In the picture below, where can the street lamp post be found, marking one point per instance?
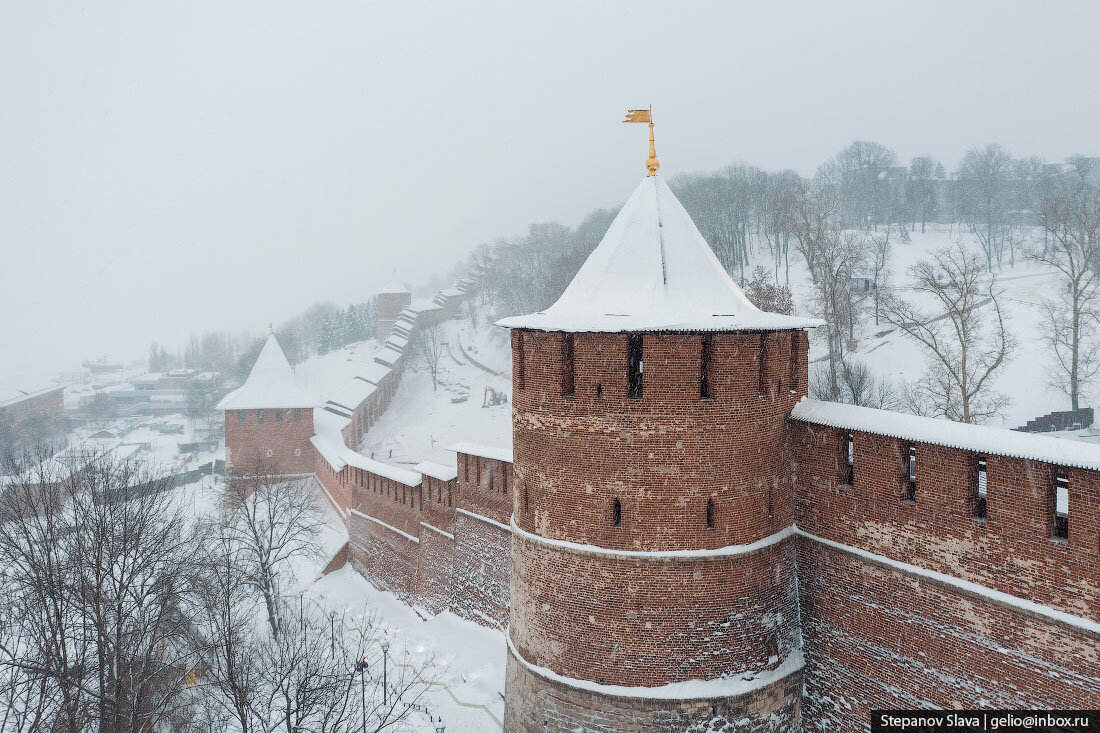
(385, 653)
(363, 667)
(332, 630)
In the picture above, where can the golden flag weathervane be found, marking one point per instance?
(646, 115)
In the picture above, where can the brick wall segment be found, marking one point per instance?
(540, 705)
(1011, 550)
(286, 443)
(877, 638)
(663, 456)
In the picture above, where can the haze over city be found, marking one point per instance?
(175, 168)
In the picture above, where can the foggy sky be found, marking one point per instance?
(168, 168)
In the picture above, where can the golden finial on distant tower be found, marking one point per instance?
(646, 115)
(271, 328)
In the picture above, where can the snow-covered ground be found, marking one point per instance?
(151, 437)
(469, 659)
(325, 375)
(898, 358)
(422, 422)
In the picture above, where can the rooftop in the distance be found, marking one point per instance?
(653, 271)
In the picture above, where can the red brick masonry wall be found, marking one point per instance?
(536, 704)
(45, 404)
(286, 443)
(601, 475)
(877, 637)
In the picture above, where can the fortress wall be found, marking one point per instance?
(435, 570)
(285, 444)
(1011, 550)
(878, 638)
(537, 704)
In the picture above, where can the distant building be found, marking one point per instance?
(391, 300)
(31, 417)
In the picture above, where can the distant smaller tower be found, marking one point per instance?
(392, 299)
(269, 417)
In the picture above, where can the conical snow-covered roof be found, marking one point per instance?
(653, 271)
(271, 383)
(393, 286)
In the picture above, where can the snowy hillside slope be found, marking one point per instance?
(421, 423)
(895, 356)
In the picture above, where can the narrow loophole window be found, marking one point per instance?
(911, 474)
(520, 381)
(795, 337)
(617, 514)
(981, 504)
(762, 377)
(567, 388)
(1061, 506)
(704, 368)
(848, 458)
(710, 513)
(635, 366)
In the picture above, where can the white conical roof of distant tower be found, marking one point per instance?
(653, 271)
(393, 286)
(271, 383)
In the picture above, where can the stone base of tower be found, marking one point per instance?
(537, 704)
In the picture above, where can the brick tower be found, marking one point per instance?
(653, 576)
(269, 417)
(391, 300)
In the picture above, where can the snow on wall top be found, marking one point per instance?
(373, 372)
(401, 475)
(437, 470)
(352, 394)
(484, 451)
(653, 271)
(977, 438)
(271, 383)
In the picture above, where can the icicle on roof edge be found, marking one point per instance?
(653, 271)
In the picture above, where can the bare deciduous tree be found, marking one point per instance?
(321, 672)
(984, 186)
(967, 343)
(834, 258)
(768, 295)
(98, 586)
(271, 519)
(428, 347)
(1070, 212)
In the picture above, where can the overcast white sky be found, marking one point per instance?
(167, 168)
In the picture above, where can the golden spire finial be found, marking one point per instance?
(646, 115)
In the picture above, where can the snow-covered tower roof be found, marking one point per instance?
(393, 286)
(271, 383)
(653, 271)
